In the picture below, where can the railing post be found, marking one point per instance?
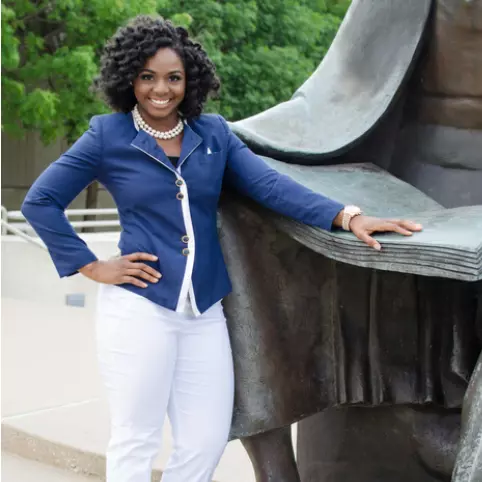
(5, 220)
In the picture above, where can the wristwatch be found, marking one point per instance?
(349, 212)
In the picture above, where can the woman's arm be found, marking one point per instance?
(44, 209)
(54, 190)
(250, 175)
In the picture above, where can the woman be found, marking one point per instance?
(162, 339)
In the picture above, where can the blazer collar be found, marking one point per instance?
(190, 141)
(148, 144)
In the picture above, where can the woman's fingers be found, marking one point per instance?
(364, 234)
(405, 223)
(394, 227)
(134, 268)
(363, 227)
(410, 225)
(140, 257)
(367, 239)
(146, 268)
(139, 273)
(134, 281)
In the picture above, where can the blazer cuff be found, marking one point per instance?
(71, 266)
(329, 215)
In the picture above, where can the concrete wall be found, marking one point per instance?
(24, 159)
(29, 274)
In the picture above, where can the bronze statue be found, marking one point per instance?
(378, 348)
(468, 467)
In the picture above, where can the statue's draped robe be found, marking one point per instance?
(309, 331)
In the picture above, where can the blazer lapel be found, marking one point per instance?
(190, 142)
(147, 144)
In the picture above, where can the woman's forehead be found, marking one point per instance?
(164, 60)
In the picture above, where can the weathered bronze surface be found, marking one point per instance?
(450, 245)
(469, 461)
(352, 89)
(381, 349)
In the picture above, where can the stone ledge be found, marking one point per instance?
(36, 448)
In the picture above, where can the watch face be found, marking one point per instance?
(352, 210)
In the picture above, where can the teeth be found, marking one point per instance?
(160, 102)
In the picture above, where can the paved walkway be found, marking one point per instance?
(53, 405)
(17, 469)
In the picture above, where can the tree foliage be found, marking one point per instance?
(263, 51)
(50, 56)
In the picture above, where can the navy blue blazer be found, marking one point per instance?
(163, 210)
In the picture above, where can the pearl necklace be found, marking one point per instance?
(159, 134)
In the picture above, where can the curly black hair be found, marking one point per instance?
(126, 53)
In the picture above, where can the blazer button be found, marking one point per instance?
(180, 195)
(185, 251)
(179, 182)
(185, 239)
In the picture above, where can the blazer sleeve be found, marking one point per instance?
(54, 190)
(251, 176)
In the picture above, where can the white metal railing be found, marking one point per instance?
(8, 228)
(17, 215)
(14, 222)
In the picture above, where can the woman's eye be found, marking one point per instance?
(146, 77)
(174, 78)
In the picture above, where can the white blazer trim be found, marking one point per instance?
(186, 286)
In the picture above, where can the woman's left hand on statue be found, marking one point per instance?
(364, 226)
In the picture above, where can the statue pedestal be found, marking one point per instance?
(381, 444)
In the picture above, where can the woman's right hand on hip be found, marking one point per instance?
(125, 269)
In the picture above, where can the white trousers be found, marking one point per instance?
(154, 362)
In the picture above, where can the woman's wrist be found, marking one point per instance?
(337, 222)
(88, 269)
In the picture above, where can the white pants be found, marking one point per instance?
(156, 361)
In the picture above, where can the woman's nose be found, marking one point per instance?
(161, 88)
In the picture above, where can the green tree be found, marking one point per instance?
(50, 56)
(263, 50)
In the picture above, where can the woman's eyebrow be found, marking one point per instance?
(177, 71)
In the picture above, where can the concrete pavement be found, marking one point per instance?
(17, 469)
(53, 403)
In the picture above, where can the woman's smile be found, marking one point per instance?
(159, 103)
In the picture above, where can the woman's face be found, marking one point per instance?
(160, 86)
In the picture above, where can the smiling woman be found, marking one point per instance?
(153, 52)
